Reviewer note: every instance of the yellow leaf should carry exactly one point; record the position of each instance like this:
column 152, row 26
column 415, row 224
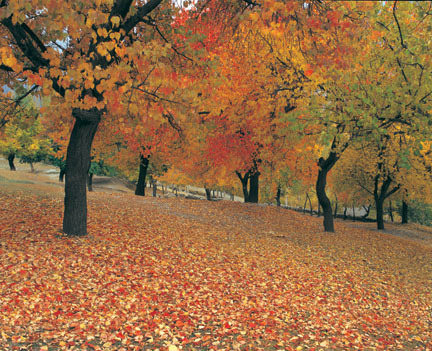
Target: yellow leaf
column 115, row 20
column 115, row 36
column 102, row 32
column 172, row 348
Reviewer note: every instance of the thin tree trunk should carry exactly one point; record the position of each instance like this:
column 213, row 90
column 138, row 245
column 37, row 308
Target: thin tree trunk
column 278, row 196
column 11, row 158
column 391, row 211
column 208, row 193
column 90, row 182
column 154, row 185
column 77, row 167
column 141, row 184
column 404, row 212
column 367, row 209
column 31, row 167
column 345, row 214
column 62, row 174
column 353, row 208
column 319, row 210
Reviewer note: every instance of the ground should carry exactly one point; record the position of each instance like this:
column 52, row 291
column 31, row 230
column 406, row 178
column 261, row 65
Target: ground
column 171, row 274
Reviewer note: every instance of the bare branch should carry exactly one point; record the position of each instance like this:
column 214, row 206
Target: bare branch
column 398, row 25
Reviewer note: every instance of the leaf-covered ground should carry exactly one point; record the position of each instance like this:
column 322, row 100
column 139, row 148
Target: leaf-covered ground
column 177, row 274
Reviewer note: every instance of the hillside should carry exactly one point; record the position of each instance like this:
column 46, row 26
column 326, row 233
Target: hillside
column 157, row 273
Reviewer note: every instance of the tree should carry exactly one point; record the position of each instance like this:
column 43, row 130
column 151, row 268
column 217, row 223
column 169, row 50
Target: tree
column 23, row 137
column 84, row 52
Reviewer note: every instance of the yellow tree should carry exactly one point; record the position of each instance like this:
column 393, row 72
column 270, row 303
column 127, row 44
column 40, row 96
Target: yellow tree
column 84, row 52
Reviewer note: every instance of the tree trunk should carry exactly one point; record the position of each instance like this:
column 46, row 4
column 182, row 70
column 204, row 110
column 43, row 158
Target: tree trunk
column 90, row 182
column 62, row 174
column 319, row 210
column 11, row 158
column 379, row 202
column 154, row 185
column 345, row 215
column 254, row 187
column 244, row 180
column 208, row 193
column 141, row 185
column 77, row 167
column 325, row 165
column 31, row 167
column 278, row 196
column 404, row 212
column 391, row 211
column 353, row 208
column 380, row 194
column 367, row 209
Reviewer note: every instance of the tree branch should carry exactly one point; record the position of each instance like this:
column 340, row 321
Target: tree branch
column 143, row 11
column 398, row 25
column 121, row 8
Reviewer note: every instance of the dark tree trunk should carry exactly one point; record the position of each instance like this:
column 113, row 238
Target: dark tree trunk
column 31, row 167
column 379, row 212
column 345, row 215
column 278, row 196
column 367, row 209
column 310, row 205
column 154, row 186
column 380, row 194
column 208, row 194
column 254, row 187
column 325, row 165
column 11, row 158
column 353, row 208
column 62, row 174
column 319, row 210
column 244, row 180
column 391, row 211
column 141, row 185
column 404, row 212
column 90, row 182
column 77, row 167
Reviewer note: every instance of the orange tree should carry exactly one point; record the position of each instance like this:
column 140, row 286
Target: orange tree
column 83, row 51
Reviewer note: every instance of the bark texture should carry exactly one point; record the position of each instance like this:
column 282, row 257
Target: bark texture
column 77, row 167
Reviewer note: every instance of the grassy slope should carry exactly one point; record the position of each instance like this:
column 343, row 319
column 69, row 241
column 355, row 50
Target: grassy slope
column 203, row 275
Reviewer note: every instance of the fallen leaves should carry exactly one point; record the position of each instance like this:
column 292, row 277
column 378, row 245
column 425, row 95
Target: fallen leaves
column 173, row 274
